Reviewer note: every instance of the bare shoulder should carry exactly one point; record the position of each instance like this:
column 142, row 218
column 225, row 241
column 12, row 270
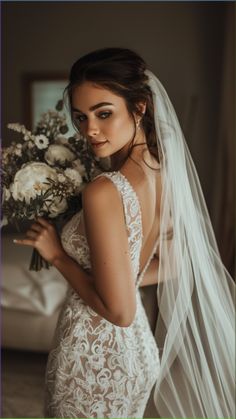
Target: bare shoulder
column 100, row 192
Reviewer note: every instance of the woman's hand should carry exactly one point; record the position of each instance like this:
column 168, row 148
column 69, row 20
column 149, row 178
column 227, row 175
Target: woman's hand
column 43, row 237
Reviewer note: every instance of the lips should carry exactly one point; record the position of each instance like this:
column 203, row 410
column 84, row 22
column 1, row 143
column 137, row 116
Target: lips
column 98, row 144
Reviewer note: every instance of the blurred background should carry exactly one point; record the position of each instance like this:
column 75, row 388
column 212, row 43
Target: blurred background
column 190, row 46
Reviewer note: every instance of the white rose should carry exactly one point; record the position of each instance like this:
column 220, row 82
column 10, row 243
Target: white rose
column 74, row 176
column 77, row 165
column 30, row 181
column 57, row 152
column 57, row 206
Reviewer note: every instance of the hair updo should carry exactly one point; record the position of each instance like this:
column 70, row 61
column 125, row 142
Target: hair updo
column 122, row 71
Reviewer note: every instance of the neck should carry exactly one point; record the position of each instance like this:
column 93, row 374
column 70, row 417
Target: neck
column 119, row 158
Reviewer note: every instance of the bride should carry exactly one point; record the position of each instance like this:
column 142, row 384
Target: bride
column 144, row 221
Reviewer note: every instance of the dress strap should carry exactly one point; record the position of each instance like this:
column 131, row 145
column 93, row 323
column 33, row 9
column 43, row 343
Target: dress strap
column 141, row 275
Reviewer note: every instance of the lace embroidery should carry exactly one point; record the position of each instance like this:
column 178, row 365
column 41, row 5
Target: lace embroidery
column 76, row 244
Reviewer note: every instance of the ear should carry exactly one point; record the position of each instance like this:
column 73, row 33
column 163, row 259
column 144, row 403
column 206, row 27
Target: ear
column 142, row 107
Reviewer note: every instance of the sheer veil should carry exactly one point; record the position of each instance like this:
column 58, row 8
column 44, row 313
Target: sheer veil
column 195, row 329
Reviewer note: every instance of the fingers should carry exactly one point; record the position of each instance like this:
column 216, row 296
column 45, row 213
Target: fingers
column 43, row 222
column 36, row 227
column 26, row 242
column 32, row 234
column 40, row 225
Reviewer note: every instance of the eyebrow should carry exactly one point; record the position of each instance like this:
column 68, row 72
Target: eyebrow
column 94, row 107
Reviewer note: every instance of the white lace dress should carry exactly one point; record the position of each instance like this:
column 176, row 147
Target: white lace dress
column 96, row 369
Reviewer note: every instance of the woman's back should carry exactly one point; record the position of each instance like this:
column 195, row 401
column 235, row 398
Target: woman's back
column 145, row 179
column 146, row 182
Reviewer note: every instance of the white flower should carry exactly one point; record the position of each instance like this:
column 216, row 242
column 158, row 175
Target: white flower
column 77, row 165
column 61, row 178
column 18, row 152
column 15, row 127
column 56, row 207
column 61, row 140
column 17, row 149
column 58, row 153
column 30, row 181
column 27, row 137
column 74, row 176
column 21, row 128
column 41, row 141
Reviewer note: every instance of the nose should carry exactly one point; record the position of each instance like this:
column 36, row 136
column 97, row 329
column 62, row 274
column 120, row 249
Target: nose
column 92, row 129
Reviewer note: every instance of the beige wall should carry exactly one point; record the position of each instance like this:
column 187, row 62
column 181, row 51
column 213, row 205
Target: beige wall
column 181, row 42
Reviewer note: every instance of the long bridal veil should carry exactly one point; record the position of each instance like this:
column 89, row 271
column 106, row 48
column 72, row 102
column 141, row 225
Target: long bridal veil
column 196, row 323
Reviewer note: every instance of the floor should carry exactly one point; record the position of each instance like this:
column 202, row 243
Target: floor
column 22, row 384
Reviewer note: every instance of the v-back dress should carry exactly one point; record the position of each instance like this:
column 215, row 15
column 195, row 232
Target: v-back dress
column 96, row 369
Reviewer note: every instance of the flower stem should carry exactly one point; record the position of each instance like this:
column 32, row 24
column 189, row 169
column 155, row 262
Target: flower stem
column 37, row 262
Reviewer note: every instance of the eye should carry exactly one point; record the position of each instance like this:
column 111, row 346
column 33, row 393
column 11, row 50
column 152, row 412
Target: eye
column 104, row 115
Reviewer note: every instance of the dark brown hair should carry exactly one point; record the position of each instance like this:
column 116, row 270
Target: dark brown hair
column 122, row 71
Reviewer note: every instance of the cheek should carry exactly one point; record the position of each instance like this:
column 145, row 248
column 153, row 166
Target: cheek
column 122, row 126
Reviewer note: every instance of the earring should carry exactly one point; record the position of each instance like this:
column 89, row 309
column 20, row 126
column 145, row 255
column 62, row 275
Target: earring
column 138, row 123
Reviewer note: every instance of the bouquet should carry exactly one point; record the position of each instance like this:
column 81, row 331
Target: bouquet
column 44, row 174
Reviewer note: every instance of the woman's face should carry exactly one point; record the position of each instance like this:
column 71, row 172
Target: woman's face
column 102, row 117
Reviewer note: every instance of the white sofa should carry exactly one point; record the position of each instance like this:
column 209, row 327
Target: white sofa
column 30, row 301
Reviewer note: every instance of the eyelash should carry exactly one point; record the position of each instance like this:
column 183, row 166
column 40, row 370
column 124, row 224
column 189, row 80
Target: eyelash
column 81, row 118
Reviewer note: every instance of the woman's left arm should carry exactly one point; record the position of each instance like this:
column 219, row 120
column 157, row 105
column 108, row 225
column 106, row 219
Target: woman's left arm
column 43, row 237
column 110, row 289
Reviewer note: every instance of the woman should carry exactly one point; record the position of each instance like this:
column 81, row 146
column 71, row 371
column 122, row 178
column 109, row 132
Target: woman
column 143, row 222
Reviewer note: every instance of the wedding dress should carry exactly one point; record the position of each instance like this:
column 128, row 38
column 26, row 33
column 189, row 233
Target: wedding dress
column 95, row 368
